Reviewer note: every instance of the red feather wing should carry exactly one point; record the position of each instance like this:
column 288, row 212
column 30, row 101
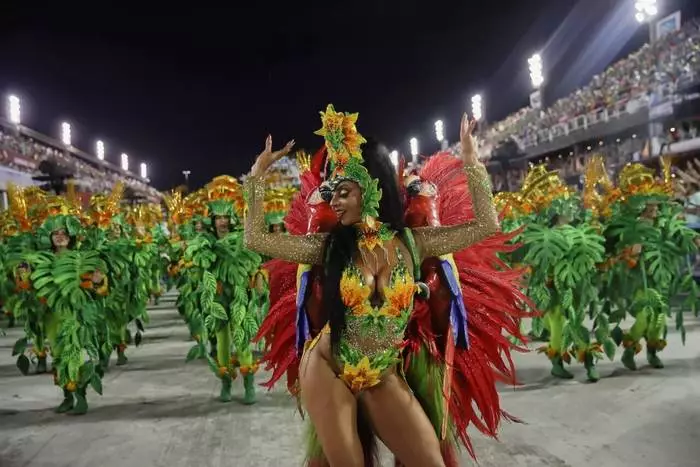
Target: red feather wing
column 492, row 295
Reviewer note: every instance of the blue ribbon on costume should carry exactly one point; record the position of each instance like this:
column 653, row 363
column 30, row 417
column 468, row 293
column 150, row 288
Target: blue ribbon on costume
column 303, row 333
column 458, row 312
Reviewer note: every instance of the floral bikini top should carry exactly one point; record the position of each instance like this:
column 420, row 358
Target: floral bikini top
column 374, row 335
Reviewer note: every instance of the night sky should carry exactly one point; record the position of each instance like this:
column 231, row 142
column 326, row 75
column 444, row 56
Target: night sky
column 199, row 88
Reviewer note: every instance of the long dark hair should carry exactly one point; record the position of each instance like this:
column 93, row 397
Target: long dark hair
column 341, row 245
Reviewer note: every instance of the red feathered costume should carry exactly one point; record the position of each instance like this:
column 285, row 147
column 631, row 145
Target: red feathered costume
column 457, row 340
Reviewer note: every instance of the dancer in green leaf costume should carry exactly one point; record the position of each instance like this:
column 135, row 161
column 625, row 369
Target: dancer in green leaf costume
column 562, row 248
column 650, row 244
column 226, row 305
column 70, row 278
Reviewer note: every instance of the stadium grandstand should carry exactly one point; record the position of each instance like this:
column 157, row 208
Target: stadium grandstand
column 28, row 157
column 637, row 109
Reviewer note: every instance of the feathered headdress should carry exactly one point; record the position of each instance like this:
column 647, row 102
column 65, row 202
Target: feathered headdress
column 637, row 180
column 541, row 187
column 18, row 209
column 103, row 209
column 277, row 204
column 596, row 176
column 343, row 143
column 225, row 197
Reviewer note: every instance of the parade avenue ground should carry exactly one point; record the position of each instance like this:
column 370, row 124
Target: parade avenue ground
column 160, row 411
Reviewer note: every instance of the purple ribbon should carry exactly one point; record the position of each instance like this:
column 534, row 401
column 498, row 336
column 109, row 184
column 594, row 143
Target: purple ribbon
column 303, row 333
column 458, row 312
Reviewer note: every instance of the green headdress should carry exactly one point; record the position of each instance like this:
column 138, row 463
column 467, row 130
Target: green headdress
column 343, row 143
column 225, row 198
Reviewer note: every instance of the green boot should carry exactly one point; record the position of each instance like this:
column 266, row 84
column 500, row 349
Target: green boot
column 558, row 369
column 41, row 365
column 249, row 385
column 654, row 359
column 628, row 358
column 81, row 405
column 67, row 403
column 225, row 395
column 591, row 370
column 121, row 357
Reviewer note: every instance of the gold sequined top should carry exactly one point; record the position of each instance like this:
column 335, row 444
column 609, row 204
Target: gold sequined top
column 431, row 241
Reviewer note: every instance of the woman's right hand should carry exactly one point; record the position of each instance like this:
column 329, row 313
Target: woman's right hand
column 268, row 157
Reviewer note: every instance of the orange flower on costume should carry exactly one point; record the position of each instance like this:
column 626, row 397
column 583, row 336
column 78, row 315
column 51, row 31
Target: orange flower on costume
column 342, row 139
column 355, row 294
column 398, row 298
column 360, row 377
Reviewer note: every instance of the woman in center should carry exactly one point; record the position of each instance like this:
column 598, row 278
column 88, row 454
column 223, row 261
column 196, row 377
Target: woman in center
column 351, row 374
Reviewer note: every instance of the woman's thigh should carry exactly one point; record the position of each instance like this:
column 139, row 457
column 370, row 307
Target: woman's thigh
column 331, row 407
column 400, row 422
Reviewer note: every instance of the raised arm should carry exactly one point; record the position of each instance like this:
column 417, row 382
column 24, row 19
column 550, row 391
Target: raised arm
column 304, row 249
column 436, row 241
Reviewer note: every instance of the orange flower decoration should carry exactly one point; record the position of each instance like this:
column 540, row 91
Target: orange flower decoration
column 340, row 132
column 354, row 292
column 398, row 298
column 360, row 377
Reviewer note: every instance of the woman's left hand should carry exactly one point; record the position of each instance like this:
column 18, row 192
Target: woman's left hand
column 466, row 137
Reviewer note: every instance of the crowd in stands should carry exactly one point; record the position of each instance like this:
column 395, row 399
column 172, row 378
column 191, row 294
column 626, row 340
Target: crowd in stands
column 24, row 154
column 673, row 59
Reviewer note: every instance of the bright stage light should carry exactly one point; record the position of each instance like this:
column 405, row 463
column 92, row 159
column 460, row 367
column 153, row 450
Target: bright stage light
column 66, row 136
column 536, row 74
column 125, row 162
column 646, row 10
column 100, row 146
column 439, row 131
column 14, row 113
column 477, row 107
column 414, row 146
column 144, row 170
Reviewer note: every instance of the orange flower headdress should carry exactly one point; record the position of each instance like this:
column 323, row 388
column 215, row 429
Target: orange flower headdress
column 225, row 197
column 542, row 186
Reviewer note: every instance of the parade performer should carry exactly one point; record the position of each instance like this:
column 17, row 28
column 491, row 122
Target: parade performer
column 369, row 339
column 562, row 250
column 21, row 300
column 226, row 309
column 649, row 244
column 108, row 233
column 69, row 278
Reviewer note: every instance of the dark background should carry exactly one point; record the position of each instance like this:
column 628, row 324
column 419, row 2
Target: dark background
column 199, row 88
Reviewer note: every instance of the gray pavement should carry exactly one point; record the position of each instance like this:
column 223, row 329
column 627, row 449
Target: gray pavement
column 158, row 411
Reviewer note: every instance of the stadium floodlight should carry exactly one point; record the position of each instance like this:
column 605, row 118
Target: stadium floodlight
column 125, row 162
column 645, row 10
column 144, row 170
column 477, row 107
column 186, row 173
column 414, row 146
column 394, row 156
column 66, row 133
column 536, row 74
column 100, row 146
column 14, row 109
column 439, row 130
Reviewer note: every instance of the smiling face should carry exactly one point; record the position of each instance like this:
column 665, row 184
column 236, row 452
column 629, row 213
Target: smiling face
column 347, row 202
column 60, row 239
